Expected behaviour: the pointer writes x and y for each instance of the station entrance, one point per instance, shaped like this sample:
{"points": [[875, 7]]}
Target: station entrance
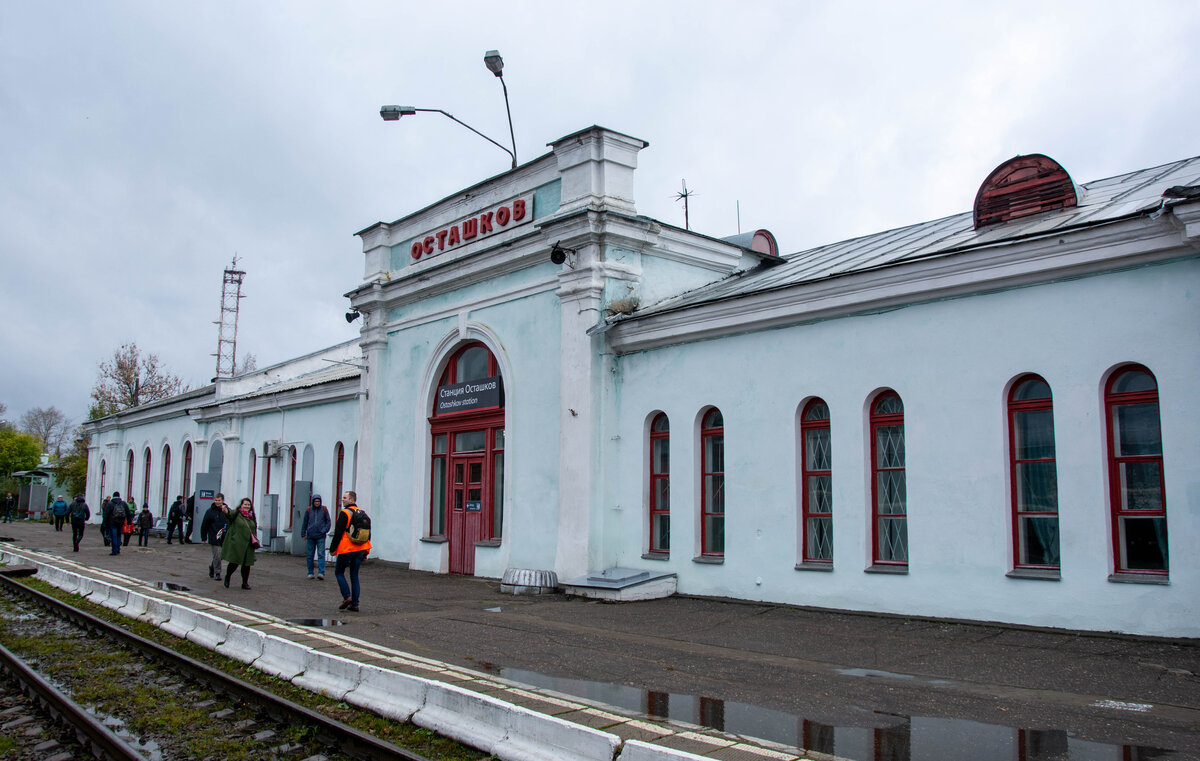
{"points": [[467, 458]]}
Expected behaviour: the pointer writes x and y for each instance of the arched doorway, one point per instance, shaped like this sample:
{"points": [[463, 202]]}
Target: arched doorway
{"points": [[467, 458]]}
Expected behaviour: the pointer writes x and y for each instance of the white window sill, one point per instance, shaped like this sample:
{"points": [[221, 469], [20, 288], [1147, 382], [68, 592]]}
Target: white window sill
{"points": [[1042, 574], [1139, 578], [897, 570], [709, 559], [808, 565]]}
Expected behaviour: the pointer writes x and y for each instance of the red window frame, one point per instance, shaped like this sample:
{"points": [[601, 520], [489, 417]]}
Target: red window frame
{"points": [[813, 419], [253, 474], [881, 420], [146, 477], [339, 461], [129, 476], [267, 477], [448, 425], [187, 469], [712, 433], [166, 482], [1015, 461], [660, 483], [1113, 401], [103, 477]]}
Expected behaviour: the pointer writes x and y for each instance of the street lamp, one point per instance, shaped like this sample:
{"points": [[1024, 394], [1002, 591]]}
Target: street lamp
{"points": [[495, 64], [393, 113]]}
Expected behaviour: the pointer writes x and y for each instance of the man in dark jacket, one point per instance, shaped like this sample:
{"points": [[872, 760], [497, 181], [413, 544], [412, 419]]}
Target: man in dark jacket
{"points": [[315, 527], [175, 519], [10, 506], [80, 513], [189, 515], [115, 516], [211, 526]]}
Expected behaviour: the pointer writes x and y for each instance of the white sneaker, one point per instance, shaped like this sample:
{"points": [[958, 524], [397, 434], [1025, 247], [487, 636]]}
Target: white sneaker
{"points": [[310, 576], [320, 577]]}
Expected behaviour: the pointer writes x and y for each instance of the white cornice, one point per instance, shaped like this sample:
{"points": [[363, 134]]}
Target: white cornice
{"points": [[325, 393], [1125, 244]]}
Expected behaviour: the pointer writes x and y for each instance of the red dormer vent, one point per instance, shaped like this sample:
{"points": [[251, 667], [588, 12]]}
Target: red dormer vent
{"points": [[1023, 186]]}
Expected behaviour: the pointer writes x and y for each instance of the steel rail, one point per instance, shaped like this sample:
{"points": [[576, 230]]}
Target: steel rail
{"points": [[344, 737], [88, 730]]}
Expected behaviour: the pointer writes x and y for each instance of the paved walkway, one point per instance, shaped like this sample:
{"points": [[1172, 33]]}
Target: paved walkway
{"points": [[736, 680]]}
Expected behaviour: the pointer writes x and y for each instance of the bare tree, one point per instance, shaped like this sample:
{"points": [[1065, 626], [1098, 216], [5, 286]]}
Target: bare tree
{"points": [[4, 424], [49, 426], [129, 379], [249, 363]]}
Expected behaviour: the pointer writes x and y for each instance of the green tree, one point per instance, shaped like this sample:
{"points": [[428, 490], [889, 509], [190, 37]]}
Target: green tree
{"points": [[72, 467], [129, 379], [18, 451]]}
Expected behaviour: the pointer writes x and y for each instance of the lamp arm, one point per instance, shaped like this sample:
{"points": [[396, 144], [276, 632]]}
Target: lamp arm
{"points": [[512, 135], [477, 132]]}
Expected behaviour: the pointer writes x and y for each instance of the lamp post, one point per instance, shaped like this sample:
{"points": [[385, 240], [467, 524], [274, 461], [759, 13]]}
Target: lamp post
{"points": [[393, 113], [495, 64]]}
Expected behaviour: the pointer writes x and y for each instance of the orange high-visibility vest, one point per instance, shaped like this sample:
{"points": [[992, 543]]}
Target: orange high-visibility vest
{"points": [[344, 544]]}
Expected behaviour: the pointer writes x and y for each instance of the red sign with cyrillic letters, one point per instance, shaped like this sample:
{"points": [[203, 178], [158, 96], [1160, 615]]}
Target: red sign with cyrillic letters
{"points": [[495, 220]]}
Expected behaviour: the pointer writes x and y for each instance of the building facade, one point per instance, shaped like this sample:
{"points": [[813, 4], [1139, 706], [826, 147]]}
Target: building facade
{"points": [[981, 417]]}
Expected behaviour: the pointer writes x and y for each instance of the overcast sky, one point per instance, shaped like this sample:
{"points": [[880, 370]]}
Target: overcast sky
{"points": [[144, 144]]}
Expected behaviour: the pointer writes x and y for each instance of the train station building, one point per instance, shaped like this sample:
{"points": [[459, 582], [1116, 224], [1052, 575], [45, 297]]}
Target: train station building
{"points": [[980, 417]]}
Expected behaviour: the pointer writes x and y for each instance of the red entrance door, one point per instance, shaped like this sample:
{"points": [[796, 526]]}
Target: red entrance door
{"points": [[466, 512]]}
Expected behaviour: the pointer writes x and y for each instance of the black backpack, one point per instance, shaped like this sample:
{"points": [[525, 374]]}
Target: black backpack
{"points": [[359, 529], [118, 515]]}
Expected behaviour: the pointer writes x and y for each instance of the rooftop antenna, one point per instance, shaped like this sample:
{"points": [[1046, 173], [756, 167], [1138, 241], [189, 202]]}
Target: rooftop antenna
{"points": [[231, 295], [684, 195]]}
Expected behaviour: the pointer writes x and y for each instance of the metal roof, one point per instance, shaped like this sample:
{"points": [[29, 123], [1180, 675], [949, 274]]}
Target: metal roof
{"points": [[325, 375], [1101, 201]]}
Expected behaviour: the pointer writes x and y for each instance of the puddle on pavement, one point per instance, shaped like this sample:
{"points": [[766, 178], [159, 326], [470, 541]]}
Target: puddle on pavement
{"points": [[314, 621], [908, 738], [171, 586]]}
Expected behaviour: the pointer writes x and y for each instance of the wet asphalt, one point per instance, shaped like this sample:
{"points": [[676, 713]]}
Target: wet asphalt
{"points": [[837, 669]]}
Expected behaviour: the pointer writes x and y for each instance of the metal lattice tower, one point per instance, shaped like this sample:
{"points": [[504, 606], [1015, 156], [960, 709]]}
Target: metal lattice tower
{"points": [[231, 296]]}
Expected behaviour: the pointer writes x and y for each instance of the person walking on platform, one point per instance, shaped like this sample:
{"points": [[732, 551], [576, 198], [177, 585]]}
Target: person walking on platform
{"points": [[175, 519], [350, 552], [80, 513], [130, 521], [189, 515], [241, 538], [314, 529], [10, 506], [145, 521], [211, 527], [115, 517], [105, 534], [59, 510]]}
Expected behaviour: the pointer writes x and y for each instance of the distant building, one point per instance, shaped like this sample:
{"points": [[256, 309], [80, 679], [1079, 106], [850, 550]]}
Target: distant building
{"points": [[981, 417]]}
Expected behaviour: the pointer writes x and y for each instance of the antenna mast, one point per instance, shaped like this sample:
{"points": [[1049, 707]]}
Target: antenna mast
{"points": [[684, 195], [231, 295]]}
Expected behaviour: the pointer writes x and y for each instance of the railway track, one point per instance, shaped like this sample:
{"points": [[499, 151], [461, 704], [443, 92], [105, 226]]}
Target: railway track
{"points": [[160, 681]]}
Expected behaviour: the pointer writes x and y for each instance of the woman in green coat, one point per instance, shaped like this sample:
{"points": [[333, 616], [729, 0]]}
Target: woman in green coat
{"points": [[241, 538]]}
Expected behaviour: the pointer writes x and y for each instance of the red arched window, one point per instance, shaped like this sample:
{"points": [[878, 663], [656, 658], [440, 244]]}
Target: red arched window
{"points": [[712, 489], [1033, 474], [816, 477], [660, 484], [166, 478], [129, 476], [186, 476], [1135, 472], [889, 489], [103, 476], [339, 464], [253, 473], [146, 477]]}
